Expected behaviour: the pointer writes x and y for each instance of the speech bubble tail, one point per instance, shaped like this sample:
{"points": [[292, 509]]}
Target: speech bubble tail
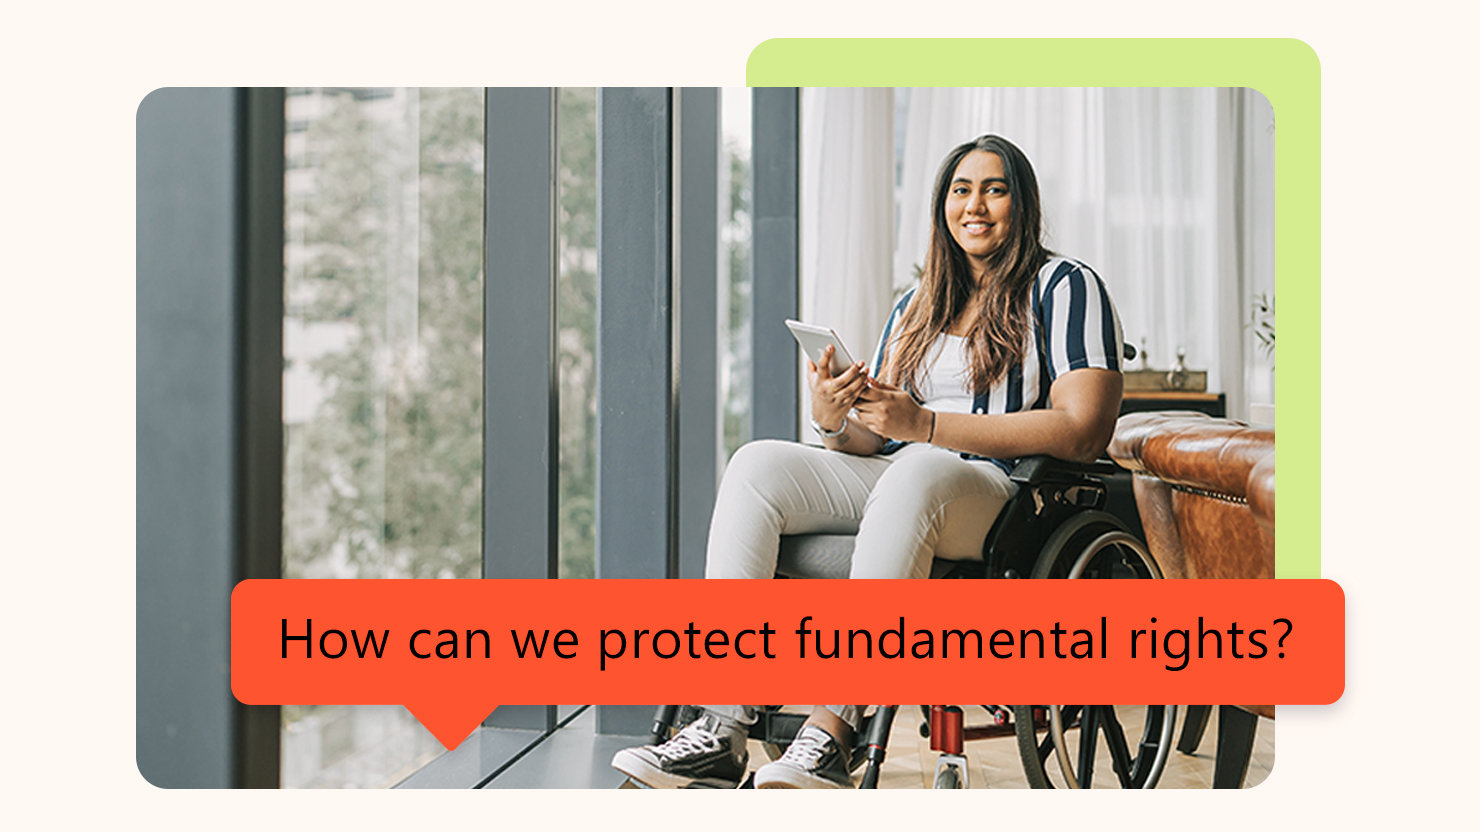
{"points": [[449, 722]]}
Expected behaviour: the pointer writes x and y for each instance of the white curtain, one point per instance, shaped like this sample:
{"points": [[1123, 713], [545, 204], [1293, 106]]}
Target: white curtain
{"points": [[847, 216], [1248, 128], [1167, 193]]}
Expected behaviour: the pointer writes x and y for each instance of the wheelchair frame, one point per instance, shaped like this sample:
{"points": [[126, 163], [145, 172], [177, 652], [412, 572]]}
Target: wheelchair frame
{"points": [[1054, 527]]}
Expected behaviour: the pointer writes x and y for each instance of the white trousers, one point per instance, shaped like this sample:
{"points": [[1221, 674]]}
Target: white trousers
{"points": [[920, 503], [905, 510]]}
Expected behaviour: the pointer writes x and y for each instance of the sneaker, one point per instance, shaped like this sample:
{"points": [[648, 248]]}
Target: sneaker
{"points": [[702, 755], [812, 761]]}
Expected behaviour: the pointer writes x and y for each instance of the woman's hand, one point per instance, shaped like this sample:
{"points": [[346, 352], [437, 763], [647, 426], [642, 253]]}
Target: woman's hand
{"points": [[889, 411], [1077, 425], [833, 396]]}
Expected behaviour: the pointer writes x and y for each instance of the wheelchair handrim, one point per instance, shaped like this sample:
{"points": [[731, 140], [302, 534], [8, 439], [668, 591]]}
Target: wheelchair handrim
{"points": [[1112, 538]]}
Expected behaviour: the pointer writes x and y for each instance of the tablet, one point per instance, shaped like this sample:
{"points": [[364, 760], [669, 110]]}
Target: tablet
{"points": [[814, 339]]}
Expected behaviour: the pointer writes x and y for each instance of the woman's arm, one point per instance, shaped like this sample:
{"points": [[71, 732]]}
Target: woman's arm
{"points": [[858, 440], [832, 398], [1076, 427]]}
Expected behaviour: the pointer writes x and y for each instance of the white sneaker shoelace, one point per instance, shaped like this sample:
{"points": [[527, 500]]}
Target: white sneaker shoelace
{"points": [[807, 749], [695, 738]]}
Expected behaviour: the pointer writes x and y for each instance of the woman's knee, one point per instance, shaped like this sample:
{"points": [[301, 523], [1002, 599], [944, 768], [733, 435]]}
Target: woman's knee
{"points": [[773, 466], [927, 482], [760, 456]]}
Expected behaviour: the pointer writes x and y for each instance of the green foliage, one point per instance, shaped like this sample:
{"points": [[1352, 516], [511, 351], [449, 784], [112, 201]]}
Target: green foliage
{"points": [[1261, 321], [385, 478], [735, 237], [386, 247], [576, 341]]}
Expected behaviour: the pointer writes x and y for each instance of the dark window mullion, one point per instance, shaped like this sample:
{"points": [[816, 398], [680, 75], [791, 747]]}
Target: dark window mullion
{"points": [[775, 153], [520, 394], [634, 348], [696, 213], [260, 363]]}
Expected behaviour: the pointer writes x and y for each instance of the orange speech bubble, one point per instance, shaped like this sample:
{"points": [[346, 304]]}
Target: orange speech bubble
{"points": [[452, 650]]}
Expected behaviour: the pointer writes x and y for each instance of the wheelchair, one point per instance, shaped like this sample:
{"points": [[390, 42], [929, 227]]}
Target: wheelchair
{"points": [[1056, 526]]}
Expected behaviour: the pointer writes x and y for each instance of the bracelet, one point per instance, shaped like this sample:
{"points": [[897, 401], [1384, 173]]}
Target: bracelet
{"points": [[830, 434], [931, 437]]}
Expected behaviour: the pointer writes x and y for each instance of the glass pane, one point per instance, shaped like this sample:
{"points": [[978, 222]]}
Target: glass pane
{"points": [[734, 272], [382, 387], [576, 313]]}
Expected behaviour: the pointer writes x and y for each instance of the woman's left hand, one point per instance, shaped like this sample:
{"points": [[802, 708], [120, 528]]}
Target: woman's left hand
{"points": [[889, 411]]}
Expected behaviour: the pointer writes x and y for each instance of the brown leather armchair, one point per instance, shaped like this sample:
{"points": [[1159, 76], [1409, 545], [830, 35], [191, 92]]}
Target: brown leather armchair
{"points": [[1205, 491]]}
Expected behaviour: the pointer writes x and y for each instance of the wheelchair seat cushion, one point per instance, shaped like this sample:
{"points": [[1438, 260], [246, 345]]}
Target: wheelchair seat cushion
{"points": [[815, 555]]}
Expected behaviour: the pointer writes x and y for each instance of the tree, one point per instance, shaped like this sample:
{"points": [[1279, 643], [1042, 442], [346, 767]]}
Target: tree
{"points": [[576, 338], [385, 478], [735, 237]]}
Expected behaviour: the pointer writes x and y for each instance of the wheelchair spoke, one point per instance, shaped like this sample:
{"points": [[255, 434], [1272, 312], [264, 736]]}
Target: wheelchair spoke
{"points": [[1151, 739], [1070, 714], [1089, 725], [1119, 752], [1045, 748]]}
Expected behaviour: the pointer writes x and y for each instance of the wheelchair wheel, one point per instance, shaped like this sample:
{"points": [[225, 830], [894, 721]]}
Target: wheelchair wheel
{"points": [[1090, 745], [1084, 738]]}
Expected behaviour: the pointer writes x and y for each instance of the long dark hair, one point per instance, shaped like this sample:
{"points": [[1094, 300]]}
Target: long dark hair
{"points": [[948, 288]]}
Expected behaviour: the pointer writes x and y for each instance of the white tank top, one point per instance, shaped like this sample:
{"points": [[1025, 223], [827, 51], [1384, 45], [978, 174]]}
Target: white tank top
{"points": [[944, 386]]}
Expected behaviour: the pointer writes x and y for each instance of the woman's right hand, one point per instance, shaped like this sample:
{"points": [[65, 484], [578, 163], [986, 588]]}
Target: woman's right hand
{"points": [[833, 396]]}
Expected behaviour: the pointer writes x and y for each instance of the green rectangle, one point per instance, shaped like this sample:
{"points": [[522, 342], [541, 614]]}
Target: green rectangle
{"points": [[1286, 71]]}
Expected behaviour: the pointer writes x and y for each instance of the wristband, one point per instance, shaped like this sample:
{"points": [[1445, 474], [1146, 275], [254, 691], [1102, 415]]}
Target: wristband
{"points": [[931, 437], [830, 434]]}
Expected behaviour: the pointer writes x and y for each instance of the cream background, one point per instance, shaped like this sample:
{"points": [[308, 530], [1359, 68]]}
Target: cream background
{"points": [[1398, 212]]}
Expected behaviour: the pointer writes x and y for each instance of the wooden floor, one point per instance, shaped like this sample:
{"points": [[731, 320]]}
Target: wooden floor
{"points": [[995, 764]]}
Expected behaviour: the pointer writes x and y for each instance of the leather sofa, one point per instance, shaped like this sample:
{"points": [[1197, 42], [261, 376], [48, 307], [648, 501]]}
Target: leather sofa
{"points": [[1205, 491]]}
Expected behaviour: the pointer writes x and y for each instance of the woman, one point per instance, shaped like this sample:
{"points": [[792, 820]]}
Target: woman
{"points": [[1003, 350]]}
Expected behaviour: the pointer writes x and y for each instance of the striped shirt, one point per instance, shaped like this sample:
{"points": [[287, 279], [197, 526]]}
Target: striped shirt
{"points": [[1074, 323]]}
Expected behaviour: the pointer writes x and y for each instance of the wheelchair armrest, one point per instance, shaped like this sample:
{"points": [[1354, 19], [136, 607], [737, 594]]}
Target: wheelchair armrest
{"points": [[1033, 470]]}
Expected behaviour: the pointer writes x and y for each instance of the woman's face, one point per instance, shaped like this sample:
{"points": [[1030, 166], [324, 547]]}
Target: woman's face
{"points": [[978, 207]]}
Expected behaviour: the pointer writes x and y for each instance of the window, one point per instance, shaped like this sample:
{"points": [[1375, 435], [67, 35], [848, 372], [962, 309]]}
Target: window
{"points": [[734, 272], [382, 394], [576, 337]]}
